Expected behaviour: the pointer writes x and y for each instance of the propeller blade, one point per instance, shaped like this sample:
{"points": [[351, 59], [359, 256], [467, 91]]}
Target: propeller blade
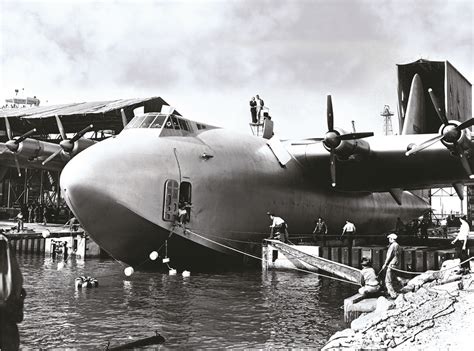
{"points": [[81, 133], [332, 166], [437, 107], [352, 136], [424, 145], [124, 117], [3, 148], [24, 136], [17, 165], [466, 124], [8, 129], [330, 114], [308, 141], [465, 164], [51, 157], [60, 127]]}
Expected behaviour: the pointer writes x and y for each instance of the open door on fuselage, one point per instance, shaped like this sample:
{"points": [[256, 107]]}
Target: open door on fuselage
{"points": [[185, 191]]}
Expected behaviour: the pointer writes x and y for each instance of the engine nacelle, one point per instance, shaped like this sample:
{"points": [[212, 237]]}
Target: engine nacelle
{"points": [[453, 137], [81, 145], [346, 148], [32, 148]]}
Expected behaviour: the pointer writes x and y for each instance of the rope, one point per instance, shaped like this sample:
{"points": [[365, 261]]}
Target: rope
{"points": [[264, 260], [440, 270]]}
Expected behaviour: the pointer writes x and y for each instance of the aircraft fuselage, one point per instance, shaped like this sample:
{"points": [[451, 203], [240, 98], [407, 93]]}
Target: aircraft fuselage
{"points": [[120, 189]]}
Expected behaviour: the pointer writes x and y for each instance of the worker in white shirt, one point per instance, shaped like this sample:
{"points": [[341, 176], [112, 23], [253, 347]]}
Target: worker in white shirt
{"points": [[278, 228], [461, 239]]}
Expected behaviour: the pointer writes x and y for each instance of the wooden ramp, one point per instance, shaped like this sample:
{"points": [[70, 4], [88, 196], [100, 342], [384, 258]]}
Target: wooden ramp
{"points": [[336, 268]]}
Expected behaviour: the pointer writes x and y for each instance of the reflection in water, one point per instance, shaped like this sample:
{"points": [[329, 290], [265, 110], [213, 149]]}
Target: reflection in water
{"points": [[250, 309]]}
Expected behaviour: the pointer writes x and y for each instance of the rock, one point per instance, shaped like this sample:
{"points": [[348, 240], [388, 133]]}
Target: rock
{"points": [[384, 305], [415, 283], [343, 334], [400, 300]]}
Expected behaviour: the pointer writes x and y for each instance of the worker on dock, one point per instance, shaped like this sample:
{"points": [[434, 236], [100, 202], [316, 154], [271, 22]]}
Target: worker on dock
{"points": [[19, 222], [370, 283], [320, 231], [349, 231], [278, 228], [391, 262], [444, 227], [461, 240]]}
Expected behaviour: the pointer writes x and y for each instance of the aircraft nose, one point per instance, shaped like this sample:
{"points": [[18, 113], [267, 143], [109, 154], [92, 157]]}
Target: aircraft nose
{"points": [[85, 183], [115, 194]]}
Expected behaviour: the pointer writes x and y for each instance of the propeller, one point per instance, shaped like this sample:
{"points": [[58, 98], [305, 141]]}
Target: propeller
{"points": [[450, 133], [333, 139], [67, 145], [14, 144]]}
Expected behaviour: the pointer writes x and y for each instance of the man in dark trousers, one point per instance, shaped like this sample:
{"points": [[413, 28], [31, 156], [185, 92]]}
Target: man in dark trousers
{"points": [[278, 228], [461, 243], [253, 109], [392, 263], [320, 231], [260, 105]]}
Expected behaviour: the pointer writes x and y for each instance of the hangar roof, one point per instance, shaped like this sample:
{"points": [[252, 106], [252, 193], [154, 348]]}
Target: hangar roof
{"points": [[104, 115]]}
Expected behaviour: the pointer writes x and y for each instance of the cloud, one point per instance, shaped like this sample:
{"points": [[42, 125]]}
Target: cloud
{"points": [[211, 56]]}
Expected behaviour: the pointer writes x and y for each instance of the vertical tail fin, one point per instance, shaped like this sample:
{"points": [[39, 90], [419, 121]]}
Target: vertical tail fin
{"points": [[415, 114]]}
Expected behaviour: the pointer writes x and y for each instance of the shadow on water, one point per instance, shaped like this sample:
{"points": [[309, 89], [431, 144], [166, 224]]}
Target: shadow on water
{"points": [[241, 309]]}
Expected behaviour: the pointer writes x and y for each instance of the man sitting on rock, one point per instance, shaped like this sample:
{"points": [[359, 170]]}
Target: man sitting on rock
{"points": [[369, 281]]}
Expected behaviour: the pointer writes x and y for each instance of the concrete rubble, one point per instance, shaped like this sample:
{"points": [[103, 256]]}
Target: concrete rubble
{"points": [[435, 312]]}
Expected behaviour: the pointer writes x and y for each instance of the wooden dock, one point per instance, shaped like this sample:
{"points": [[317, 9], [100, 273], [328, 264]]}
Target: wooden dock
{"points": [[36, 238]]}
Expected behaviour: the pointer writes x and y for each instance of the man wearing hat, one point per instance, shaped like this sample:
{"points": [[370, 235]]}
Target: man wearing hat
{"points": [[278, 228], [369, 281], [391, 262]]}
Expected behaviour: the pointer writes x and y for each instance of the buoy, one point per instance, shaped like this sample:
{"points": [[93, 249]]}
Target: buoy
{"points": [[172, 271], [166, 260], [153, 255], [45, 233], [128, 271], [186, 274], [86, 282]]}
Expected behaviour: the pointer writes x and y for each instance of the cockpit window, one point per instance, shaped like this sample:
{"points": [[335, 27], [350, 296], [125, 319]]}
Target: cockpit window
{"points": [[147, 121], [172, 125], [136, 121], [158, 122]]}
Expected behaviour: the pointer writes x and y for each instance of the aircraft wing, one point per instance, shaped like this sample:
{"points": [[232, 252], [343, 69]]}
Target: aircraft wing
{"points": [[381, 164]]}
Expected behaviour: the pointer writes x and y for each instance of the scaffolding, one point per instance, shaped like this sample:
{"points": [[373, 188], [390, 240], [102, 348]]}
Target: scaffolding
{"points": [[259, 127], [387, 120]]}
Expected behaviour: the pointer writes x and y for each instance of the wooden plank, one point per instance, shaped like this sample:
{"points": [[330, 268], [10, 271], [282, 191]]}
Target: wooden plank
{"points": [[338, 269]]}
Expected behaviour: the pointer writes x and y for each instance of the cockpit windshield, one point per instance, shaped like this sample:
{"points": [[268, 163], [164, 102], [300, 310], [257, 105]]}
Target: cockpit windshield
{"points": [[148, 120], [169, 124]]}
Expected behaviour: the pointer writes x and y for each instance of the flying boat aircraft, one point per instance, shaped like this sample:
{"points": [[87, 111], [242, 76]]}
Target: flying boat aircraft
{"points": [[126, 190]]}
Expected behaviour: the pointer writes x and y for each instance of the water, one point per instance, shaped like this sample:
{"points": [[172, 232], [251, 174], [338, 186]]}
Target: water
{"points": [[250, 309]]}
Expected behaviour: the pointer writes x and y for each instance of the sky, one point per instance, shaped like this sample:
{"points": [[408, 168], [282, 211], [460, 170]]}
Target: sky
{"points": [[208, 58]]}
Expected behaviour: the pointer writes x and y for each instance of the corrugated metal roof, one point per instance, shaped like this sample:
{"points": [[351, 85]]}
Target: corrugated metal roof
{"points": [[77, 109]]}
